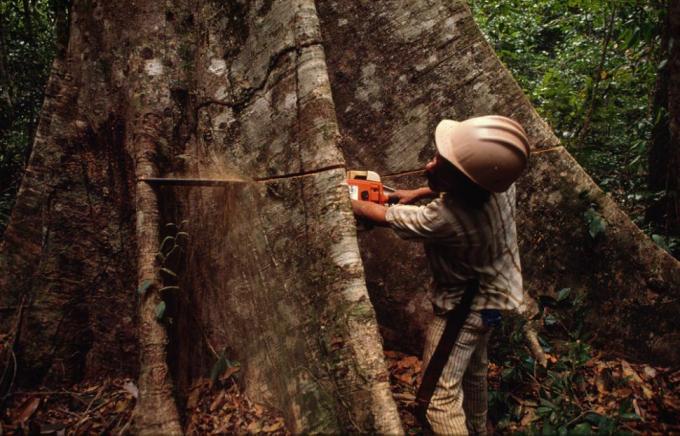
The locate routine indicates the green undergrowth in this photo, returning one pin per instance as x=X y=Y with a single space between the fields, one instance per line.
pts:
x=589 y=67
x=526 y=398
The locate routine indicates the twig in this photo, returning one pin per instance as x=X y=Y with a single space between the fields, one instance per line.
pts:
x=12 y=356
x=96 y=397
x=534 y=346
x=581 y=415
x=518 y=399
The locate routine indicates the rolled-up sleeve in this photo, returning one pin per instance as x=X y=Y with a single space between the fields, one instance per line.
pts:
x=420 y=222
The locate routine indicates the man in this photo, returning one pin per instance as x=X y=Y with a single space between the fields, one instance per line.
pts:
x=471 y=244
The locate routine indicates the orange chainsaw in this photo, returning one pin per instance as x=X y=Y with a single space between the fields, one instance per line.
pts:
x=366 y=185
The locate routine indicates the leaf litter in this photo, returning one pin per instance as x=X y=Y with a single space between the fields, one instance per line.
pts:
x=222 y=407
x=106 y=408
x=80 y=409
x=609 y=386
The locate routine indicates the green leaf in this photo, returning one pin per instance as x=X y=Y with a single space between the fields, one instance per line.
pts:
x=169 y=272
x=582 y=429
x=596 y=224
x=593 y=418
x=218 y=368
x=630 y=416
x=660 y=241
x=548 y=429
x=549 y=404
x=144 y=286
x=166 y=240
x=563 y=293
x=160 y=310
x=543 y=411
x=168 y=289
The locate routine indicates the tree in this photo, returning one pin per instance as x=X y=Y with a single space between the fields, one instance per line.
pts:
x=664 y=147
x=107 y=274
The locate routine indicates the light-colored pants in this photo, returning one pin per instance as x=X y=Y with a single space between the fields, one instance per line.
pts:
x=467 y=367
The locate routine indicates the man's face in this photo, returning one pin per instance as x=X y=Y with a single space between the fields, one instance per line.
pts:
x=436 y=179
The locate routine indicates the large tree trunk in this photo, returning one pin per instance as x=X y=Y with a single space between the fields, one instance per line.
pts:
x=272 y=271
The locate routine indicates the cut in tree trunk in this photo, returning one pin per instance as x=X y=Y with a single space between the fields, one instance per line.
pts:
x=270 y=273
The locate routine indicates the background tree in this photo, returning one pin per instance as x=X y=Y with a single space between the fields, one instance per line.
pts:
x=27 y=46
x=664 y=146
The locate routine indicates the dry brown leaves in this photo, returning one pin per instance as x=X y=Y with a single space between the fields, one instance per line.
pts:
x=405 y=371
x=223 y=408
x=654 y=391
x=83 y=409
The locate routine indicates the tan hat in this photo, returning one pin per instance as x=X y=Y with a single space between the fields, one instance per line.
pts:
x=491 y=150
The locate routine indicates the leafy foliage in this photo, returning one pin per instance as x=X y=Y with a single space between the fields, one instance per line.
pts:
x=169 y=257
x=26 y=52
x=566 y=397
x=589 y=67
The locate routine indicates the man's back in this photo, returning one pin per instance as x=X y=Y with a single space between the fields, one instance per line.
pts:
x=464 y=243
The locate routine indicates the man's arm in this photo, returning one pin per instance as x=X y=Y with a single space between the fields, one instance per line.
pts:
x=370 y=211
x=408 y=196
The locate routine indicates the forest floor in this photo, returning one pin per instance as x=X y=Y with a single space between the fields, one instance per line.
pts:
x=610 y=396
x=604 y=395
x=106 y=408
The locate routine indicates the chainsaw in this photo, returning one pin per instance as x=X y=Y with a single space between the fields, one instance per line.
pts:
x=366 y=185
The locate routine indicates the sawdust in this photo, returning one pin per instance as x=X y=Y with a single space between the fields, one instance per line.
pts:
x=218 y=169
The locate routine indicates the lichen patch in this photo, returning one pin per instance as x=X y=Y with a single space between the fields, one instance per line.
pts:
x=153 y=67
x=217 y=66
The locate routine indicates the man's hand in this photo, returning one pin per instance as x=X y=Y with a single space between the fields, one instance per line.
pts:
x=409 y=196
x=370 y=211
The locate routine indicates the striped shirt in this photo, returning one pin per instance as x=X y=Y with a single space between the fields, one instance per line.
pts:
x=462 y=243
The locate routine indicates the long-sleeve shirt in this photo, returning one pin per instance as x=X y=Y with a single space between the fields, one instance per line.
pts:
x=463 y=243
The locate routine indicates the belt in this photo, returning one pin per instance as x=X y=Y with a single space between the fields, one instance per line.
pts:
x=455 y=320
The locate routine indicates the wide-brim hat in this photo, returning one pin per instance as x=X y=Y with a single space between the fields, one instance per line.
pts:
x=491 y=150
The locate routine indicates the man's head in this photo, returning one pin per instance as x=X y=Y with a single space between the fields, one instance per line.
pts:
x=491 y=151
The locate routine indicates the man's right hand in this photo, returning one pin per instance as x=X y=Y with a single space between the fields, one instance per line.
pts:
x=409 y=196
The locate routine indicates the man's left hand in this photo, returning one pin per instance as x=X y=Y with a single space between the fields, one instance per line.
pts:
x=370 y=211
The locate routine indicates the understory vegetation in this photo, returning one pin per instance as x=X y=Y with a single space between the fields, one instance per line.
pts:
x=27 y=47
x=580 y=391
x=590 y=68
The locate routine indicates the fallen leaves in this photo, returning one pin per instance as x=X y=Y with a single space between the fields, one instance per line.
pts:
x=404 y=373
x=85 y=408
x=608 y=384
x=222 y=408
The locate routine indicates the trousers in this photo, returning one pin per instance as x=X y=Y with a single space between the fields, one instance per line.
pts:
x=459 y=403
